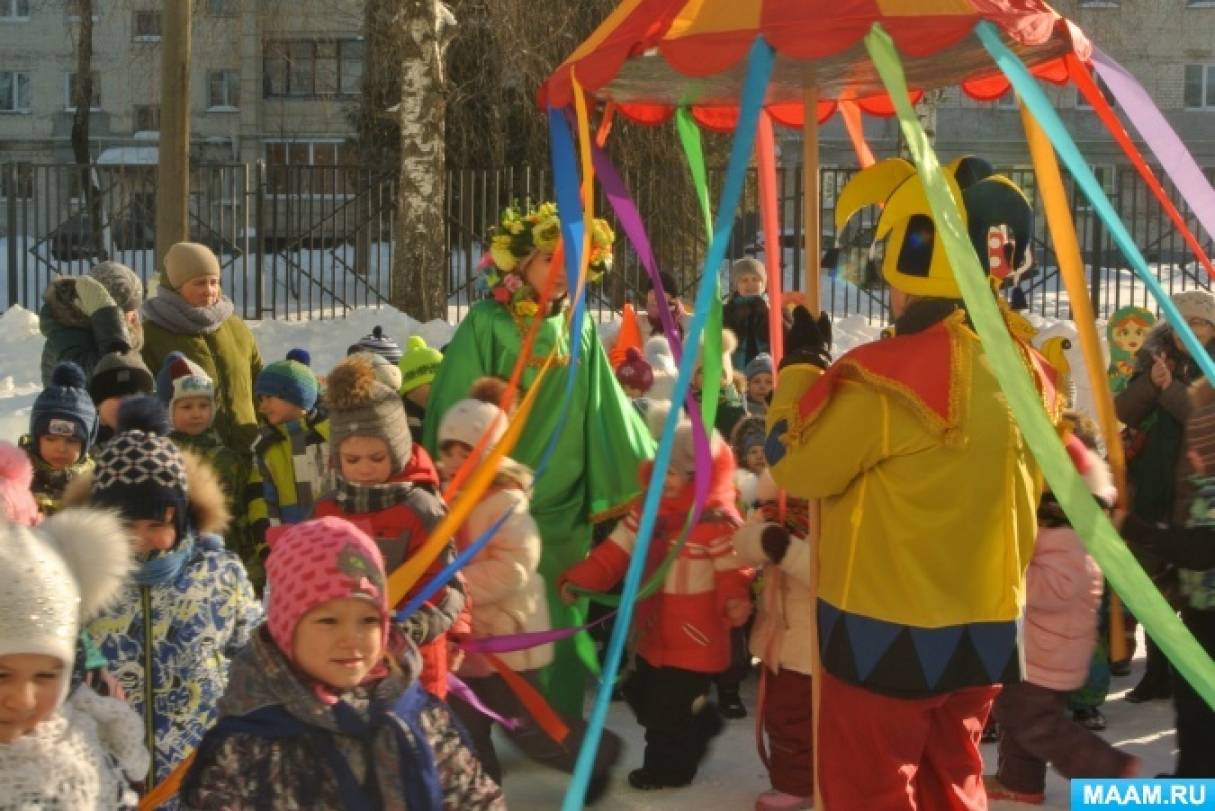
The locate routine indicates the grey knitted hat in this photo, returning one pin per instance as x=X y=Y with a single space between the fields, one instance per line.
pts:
x=122 y=283
x=360 y=405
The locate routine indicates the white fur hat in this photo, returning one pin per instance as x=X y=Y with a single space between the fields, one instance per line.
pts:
x=468 y=420
x=1196 y=304
x=60 y=575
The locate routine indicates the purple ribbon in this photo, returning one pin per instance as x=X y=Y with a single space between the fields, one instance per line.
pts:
x=469 y=697
x=508 y=643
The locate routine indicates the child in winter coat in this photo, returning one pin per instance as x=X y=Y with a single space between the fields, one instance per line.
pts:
x=322 y=708
x=746 y=310
x=1063 y=590
x=759 y=384
x=682 y=632
x=418 y=365
x=61 y=751
x=748 y=443
x=781 y=638
x=189 y=606
x=291 y=455
x=387 y=485
x=508 y=597
x=636 y=377
x=191 y=315
x=116 y=377
x=63 y=425
x=1192 y=550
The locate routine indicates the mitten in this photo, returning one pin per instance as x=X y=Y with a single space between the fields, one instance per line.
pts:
x=808 y=340
x=92 y=295
x=775 y=542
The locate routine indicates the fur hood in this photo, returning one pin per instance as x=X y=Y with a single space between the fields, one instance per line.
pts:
x=208 y=508
x=60 y=299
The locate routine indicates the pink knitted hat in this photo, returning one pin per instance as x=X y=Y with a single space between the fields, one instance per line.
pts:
x=16 y=501
x=317 y=561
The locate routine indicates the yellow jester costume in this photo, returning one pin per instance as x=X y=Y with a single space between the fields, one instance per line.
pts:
x=929 y=493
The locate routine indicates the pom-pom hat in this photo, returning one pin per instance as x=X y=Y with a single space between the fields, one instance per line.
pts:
x=288 y=380
x=16 y=475
x=181 y=377
x=419 y=364
x=64 y=407
x=360 y=405
x=378 y=343
x=635 y=372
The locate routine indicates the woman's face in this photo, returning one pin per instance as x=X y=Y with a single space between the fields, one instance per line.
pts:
x=535 y=272
x=201 y=291
x=1203 y=329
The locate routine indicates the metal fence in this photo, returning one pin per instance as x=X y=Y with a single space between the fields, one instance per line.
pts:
x=301 y=241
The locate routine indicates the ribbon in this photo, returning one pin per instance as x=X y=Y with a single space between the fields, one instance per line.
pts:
x=549 y=722
x=508 y=643
x=759 y=68
x=167 y=789
x=1084 y=81
x=1088 y=519
x=1160 y=137
x=1033 y=97
x=765 y=151
x=461 y=690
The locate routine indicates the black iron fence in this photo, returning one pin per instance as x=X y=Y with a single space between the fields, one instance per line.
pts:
x=304 y=241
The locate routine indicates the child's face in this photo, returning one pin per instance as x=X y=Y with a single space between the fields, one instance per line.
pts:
x=277 y=410
x=451 y=458
x=674 y=484
x=30 y=686
x=365 y=460
x=756 y=461
x=419 y=395
x=750 y=284
x=339 y=641
x=59 y=451
x=1129 y=336
x=759 y=386
x=192 y=415
x=151 y=536
x=107 y=411
x=201 y=291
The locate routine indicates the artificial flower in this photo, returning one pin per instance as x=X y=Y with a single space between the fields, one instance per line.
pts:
x=526 y=308
x=512 y=282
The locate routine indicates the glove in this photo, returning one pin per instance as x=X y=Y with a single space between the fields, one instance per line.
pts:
x=775 y=543
x=92 y=295
x=808 y=340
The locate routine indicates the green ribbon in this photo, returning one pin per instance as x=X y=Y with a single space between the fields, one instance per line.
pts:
x=1088 y=519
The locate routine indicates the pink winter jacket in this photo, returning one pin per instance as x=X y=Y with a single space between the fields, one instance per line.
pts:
x=1063 y=592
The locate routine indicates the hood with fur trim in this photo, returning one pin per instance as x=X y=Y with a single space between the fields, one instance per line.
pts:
x=208 y=507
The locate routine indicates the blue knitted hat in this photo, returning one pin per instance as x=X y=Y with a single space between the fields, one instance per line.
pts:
x=288 y=380
x=64 y=407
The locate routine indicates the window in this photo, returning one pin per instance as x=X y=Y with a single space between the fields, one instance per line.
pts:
x=323 y=156
x=69 y=102
x=1200 y=87
x=147 y=118
x=17 y=182
x=1082 y=102
x=1200 y=3
x=14 y=91
x=14 y=9
x=146 y=26
x=1099 y=3
x=223 y=8
x=305 y=68
x=223 y=90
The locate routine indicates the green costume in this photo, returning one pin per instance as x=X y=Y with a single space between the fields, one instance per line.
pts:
x=593 y=472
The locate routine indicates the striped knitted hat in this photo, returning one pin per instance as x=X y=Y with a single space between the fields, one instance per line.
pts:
x=419 y=364
x=379 y=343
x=288 y=380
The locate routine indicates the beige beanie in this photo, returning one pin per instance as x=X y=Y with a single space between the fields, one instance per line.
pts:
x=189 y=260
x=1196 y=304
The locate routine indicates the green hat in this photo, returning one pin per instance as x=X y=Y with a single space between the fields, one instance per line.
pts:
x=419 y=364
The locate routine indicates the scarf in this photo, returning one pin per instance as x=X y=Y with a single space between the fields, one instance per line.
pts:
x=163 y=567
x=358 y=499
x=170 y=311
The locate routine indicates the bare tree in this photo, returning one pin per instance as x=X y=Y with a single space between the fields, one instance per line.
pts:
x=82 y=98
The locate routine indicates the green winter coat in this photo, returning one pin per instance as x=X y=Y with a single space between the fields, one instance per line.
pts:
x=73 y=336
x=228 y=355
x=233 y=472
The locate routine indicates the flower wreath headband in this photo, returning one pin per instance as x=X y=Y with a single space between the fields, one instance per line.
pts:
x=517 y=236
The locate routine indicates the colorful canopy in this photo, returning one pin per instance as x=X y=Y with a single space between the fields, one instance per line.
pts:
x=651 y=56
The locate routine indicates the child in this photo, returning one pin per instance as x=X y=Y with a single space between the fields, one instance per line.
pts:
x=759 y=384
x=730 y=407
x=419 y=365
x=781 y=638
x=290 y=456
x=190 y=314
x=652 y=324
x=63 y=425
x=1063 y=589
x=683 y=632
x=322 y=709
x=508 y=597
x=60 y=752
x=746 y=310
x=1192 y=549
x=388 y=485
x=748 y=442
x=117 y=376
x=636 y=377
x=16 y=476
x=189 y=605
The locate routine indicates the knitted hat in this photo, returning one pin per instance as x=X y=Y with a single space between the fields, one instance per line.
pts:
x=181 y=377
x=316 y=561
x=140 y=472
x=60 y=575
x=635 y=372
x=122 y=284
x=16 y=475
x=419 y=364
x=1196 y=304
x=120 y=374
x=747 y=266
x=683 y=448
x=360 y=405
x=288 y=380
x=64 y=409
x=749 y=433
x=468 y=420
x=379 y=343
x=189 y=260
x=387 y=373
x=761 y=364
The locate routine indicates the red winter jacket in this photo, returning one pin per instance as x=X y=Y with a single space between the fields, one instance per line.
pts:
x=684 y=625
x=399 y=531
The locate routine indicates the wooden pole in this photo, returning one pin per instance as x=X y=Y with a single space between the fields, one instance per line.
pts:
x=173 y=175
x=810 y=200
